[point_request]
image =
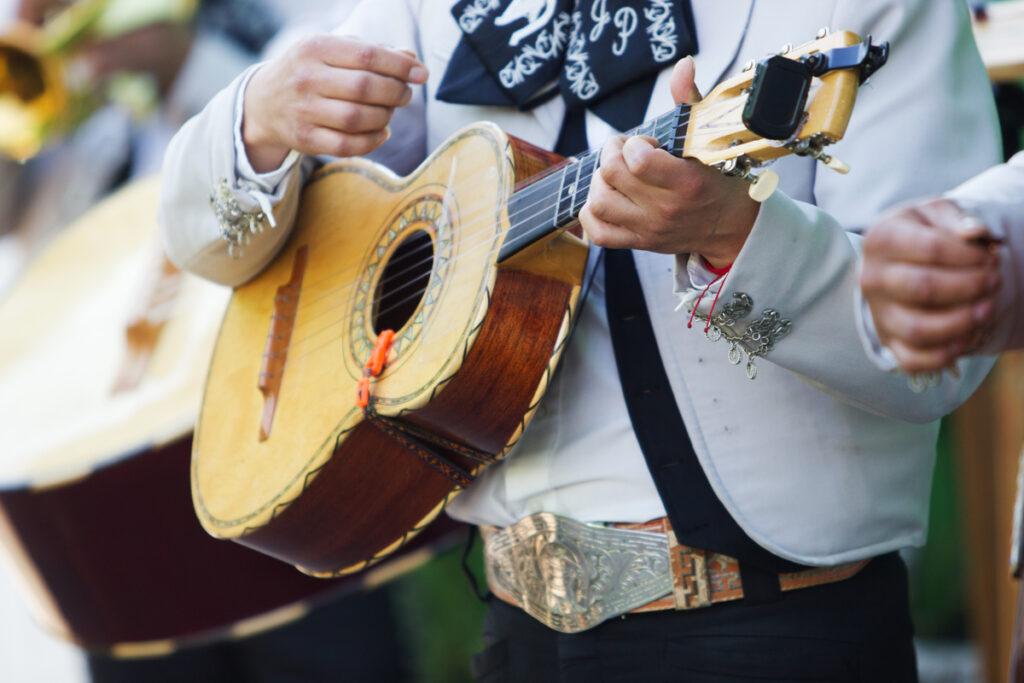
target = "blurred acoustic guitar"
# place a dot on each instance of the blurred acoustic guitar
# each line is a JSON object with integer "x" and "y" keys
{"x": 103, "y": 356}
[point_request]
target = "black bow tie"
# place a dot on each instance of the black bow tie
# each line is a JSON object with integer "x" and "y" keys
{"x": 603, "y": 55}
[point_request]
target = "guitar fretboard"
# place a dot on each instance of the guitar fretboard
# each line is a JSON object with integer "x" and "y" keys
{"x": 554, "y": 202}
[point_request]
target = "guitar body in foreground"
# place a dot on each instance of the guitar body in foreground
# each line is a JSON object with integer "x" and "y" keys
{"x": 471, "y": 261}
{"x": 324, "y": 486}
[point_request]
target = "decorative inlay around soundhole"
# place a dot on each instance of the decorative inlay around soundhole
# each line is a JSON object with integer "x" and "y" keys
{"x": 403, "y": 275}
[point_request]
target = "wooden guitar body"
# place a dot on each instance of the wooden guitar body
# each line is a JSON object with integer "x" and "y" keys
{"x": 328, "y": 487}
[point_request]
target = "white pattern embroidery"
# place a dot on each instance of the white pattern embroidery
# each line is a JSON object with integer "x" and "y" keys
{"x": 600, "y": 16}
{"x": 474, "y": 14}
{"x": 662, "y": 30}
{"x": 547, "y": 46}
{"x": 537, "y": 12}
{"x": 581, "y": 79}
{"x": 625, "y": 21}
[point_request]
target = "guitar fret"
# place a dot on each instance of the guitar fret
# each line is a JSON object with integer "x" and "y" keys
{"x": 567, "y": 194}
{"x": 586, "y": 167}
{"x": 530, "y": 212}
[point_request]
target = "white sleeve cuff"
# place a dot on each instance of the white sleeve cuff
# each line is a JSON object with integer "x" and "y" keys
{"x": 258, "y": 183}
{"x": 880, "y": 355}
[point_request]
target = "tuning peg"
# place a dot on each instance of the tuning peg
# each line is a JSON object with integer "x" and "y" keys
{"x": 837, "y": 165}
{"x": 764, "y": 186}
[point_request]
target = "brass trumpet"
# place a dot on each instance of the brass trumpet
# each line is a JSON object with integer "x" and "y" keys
{"x": 42, "y": 94}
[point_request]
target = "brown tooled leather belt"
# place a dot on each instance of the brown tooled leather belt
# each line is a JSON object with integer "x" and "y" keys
{"x": 572, "y": 576}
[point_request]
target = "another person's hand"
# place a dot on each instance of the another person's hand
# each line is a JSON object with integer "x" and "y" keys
{"x": 326, "y": 95}
{"x": 929, "y": 277}
{"x": 645, "y": 198}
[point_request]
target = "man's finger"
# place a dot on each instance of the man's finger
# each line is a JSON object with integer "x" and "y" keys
{"x": 927, "y": 286}
{"x": 362, "y": 86}
{"x": 319, "y": 140}
{"x": 681, "y": 84}
{"x": 913, "y": 359}
{"x": 613, "y": 172}
{"x": 930, "y": 329}
{"x": 947, "y": 214}
{"x": 650, "y": 164}
{"x": 351, "y": 53}
{"x": 900, "y": 237}
{"x": 350, "y": 117}
{"x": 604, "y": 234}
{"x": 611, "y": 206}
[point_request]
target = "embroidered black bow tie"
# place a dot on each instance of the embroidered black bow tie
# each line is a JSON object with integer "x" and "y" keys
{"x": 603, "y": 55}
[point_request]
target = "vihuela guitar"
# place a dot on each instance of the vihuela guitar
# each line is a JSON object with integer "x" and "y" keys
{"x": 473, "y": 263}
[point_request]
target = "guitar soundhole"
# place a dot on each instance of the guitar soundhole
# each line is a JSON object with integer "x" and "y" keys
{"x": 403, "y": 282}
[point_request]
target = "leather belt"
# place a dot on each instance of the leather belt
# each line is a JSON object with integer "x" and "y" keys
{"x": 572, "y": 576}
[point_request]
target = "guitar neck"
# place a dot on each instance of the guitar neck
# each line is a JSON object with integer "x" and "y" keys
{"x": 554, "y": 202}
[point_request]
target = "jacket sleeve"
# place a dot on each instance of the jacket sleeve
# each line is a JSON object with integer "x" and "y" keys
{"x": 996, "y": 197}
{"x": 221, "y": 220}
{"x": 921, "y": 125}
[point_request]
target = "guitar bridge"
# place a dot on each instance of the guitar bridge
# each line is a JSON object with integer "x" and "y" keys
{"x": 282, "y": 323}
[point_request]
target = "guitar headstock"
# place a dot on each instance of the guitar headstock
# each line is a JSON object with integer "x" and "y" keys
{"x": 795, "y": 102}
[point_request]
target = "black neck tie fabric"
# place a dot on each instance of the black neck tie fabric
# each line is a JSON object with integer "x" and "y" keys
{"x": 602, "y": 55}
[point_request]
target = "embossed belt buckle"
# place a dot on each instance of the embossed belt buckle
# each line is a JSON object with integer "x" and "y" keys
{"x": 572, "y": 576}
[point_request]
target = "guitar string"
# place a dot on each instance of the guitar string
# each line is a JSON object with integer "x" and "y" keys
{"x": 527, "y": 236}
{"x": 491, "y": 235}
{"x": 413, "y": 284}
{"x": 486, "y": 209}
{"x": 301, "y": 344}
{"x": 472, "y": 217}
{"x": 469, "y": 218}
{"x": 468, "y": 247}
{"x": 472, "y": 214}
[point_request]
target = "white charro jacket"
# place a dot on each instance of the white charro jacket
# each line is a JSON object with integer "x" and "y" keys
{"x": 823, "y": 458}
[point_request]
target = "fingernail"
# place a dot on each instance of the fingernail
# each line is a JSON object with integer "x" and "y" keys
{"x": 992, "y": 284}
{"x": 385, "y": 134}
{"x": 418, "y": 74}
{"x": 632, "y": 149}
{"x": 982, "y": 311}
{"x": 407, "y": 97}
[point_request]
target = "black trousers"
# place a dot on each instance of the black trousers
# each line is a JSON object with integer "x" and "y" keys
{"x": 353, "y": 639}
{"x": 853, "y": 630}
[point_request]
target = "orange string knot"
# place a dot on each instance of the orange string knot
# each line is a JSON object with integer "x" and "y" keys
{"x": 374, "y": 366}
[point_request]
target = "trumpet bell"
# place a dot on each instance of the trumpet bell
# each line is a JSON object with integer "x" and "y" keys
{"x": 33, "y": 94}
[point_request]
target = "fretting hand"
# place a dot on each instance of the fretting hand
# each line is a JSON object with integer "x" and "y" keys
{"x": 645, "y": 198}
{"x": 327, "y": 95}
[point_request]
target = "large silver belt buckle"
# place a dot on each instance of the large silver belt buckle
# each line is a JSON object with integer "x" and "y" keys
{"x": 572, "y": 576}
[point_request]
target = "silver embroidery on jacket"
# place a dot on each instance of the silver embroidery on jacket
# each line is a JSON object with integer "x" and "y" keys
{"x": 237, "y": 226}
{"x": 756, "y": 340}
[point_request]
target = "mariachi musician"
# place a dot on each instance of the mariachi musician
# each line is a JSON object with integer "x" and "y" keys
{"x": 788, "y": 487}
